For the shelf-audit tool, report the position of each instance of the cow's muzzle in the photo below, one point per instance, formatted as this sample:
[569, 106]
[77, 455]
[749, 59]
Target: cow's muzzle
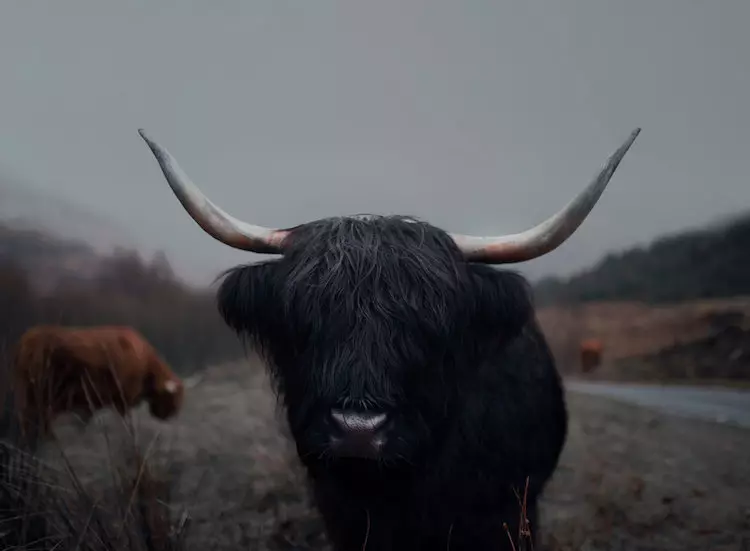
[358, 434]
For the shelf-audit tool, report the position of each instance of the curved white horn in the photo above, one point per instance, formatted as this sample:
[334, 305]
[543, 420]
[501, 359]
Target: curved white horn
[551, 233]
[214, 221]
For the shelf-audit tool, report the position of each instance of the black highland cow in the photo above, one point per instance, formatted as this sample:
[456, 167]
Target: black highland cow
[418, 386]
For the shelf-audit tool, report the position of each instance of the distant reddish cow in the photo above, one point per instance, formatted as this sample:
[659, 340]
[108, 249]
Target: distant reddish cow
[81, 370]
[591, 354]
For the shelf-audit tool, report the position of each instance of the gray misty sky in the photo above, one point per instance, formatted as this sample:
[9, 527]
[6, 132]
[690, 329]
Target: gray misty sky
[481, 117]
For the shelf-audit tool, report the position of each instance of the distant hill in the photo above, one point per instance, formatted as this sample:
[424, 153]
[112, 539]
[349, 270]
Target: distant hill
[711, 262]
[49, 279]
[47, 260]
[23, 207]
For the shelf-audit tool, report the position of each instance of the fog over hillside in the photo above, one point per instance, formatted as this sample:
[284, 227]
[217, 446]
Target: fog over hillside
[24, 207]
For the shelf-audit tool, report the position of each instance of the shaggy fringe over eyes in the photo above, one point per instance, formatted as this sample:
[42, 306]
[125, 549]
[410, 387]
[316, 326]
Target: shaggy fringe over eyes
[383, 291]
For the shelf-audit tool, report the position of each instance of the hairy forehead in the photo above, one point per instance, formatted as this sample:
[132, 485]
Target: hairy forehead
[373, 276]
[367, 231]
[370, 251]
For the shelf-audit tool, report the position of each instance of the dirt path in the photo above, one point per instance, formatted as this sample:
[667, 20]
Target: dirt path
[628, 479]
[724, 405]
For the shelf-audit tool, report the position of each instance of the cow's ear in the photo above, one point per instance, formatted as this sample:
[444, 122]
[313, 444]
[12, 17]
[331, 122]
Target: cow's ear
[503, 301]
[245, 298]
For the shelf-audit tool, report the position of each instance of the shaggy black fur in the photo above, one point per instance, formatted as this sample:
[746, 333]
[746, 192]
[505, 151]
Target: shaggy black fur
[384, 313]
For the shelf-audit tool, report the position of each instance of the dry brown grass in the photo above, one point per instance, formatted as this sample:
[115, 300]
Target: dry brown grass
[523, 540]
[628, 478]
[226, 469]
[49, 507]
[46, 508]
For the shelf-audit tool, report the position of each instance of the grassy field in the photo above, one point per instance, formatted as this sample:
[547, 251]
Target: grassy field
[628, 478]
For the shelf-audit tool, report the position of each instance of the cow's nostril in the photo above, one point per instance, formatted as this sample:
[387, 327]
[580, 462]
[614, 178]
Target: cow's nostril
[352, 422]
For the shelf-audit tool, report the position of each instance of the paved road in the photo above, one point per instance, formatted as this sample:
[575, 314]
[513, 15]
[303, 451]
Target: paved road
[713, 404]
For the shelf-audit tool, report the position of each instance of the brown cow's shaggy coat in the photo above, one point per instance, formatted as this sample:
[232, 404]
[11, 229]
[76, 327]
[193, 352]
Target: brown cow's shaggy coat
[81, 370]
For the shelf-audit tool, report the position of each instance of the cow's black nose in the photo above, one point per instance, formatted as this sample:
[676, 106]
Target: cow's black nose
[358, 421]
[359, 433]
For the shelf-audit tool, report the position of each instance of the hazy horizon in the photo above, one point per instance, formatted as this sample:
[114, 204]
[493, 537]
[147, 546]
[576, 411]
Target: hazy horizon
[482, 118]
[104, 235]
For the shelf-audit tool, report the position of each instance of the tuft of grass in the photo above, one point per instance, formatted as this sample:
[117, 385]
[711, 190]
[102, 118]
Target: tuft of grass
[523, 541]
[43, 509]
[46, 509]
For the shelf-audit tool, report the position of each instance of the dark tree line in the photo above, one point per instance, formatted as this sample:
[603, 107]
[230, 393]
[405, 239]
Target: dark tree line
[43, 281]
[708, 263]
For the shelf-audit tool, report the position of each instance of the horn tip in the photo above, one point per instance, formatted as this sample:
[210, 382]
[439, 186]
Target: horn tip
[155, 148]
[629, 142]
[143, 134]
